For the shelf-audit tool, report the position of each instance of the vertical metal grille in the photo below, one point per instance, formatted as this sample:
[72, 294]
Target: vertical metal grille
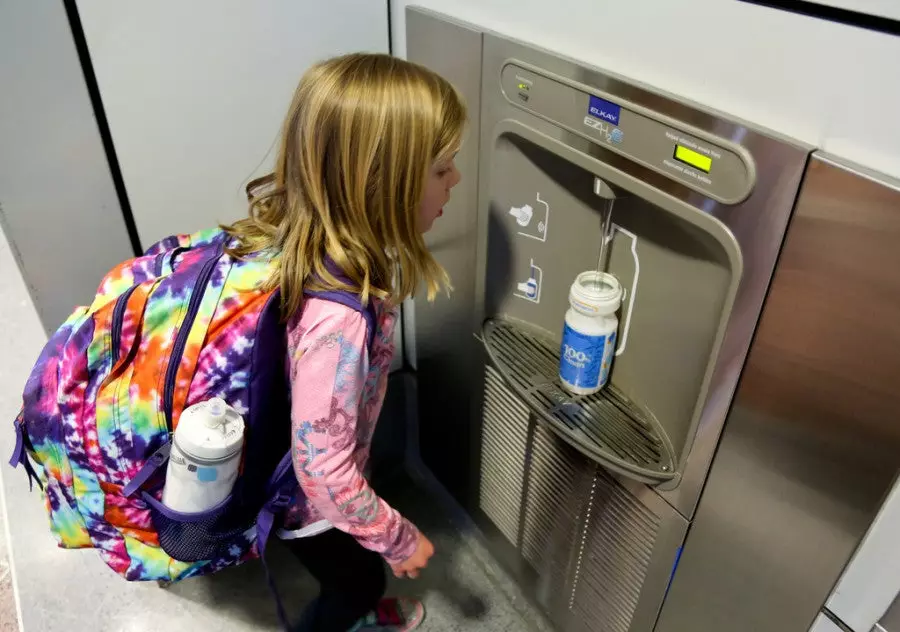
[612, 563]
[504, 434]
[588, 539]
[557, 480]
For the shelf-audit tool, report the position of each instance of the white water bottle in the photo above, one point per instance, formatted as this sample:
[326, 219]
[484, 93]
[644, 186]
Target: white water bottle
[589, 334]
[205, 457]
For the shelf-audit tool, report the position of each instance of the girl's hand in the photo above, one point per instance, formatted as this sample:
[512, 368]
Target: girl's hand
[419, 560]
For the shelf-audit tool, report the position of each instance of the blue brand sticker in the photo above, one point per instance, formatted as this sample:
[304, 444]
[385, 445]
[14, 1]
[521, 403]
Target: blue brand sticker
[603, 109]
[207, 474]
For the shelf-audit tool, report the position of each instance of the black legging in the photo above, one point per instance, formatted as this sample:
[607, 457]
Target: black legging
[352, 580]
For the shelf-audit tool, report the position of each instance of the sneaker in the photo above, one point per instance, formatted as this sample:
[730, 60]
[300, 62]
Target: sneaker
[392, 615]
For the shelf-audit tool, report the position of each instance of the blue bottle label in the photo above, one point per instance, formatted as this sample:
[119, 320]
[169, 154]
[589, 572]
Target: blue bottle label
[584, 360]
[207, 474]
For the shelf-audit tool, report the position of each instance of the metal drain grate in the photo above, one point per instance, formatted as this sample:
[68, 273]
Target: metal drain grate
[605, 426]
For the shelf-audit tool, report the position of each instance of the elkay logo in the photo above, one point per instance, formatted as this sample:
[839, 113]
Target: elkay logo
[605, 110]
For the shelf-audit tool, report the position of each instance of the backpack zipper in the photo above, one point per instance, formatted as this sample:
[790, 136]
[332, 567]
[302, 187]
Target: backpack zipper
[117, 318]
[183, 333]
[122, 301]
[159, 264]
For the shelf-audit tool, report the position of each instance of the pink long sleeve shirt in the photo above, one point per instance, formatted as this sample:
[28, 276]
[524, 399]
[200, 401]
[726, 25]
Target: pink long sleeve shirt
[337, 389]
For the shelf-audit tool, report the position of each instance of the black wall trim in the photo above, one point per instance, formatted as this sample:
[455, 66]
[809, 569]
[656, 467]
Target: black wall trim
[833, 14]
[87, 68]
[390, 29]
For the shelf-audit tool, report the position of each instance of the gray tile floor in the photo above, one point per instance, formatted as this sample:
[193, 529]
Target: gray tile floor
[9, 620]
[71, 591]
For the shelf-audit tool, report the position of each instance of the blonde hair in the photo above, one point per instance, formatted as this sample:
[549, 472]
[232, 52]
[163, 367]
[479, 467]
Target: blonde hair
[358, 144]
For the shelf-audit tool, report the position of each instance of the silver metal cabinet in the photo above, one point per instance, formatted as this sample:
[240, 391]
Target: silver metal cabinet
[588, 499]
[812, 444]
[439, 339]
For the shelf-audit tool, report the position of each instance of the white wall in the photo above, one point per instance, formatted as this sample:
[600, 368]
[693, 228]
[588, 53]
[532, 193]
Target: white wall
[831, 85]
[871, 582]
[195, 92]
[58, 204]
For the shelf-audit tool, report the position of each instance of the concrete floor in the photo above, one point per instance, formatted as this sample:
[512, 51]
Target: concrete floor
[45, 589]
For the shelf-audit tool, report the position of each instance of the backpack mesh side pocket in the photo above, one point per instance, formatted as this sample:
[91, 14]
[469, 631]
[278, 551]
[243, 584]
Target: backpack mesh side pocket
[194, 537]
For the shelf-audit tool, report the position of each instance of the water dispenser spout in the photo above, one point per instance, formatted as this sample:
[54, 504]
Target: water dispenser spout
[604, 191]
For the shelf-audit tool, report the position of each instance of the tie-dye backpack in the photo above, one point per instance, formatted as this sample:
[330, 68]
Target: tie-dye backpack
[177, 326]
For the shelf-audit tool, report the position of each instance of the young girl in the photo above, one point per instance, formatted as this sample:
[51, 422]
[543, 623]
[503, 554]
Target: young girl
[365, 167]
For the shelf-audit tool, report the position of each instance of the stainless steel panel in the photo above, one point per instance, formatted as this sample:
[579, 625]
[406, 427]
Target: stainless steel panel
[595, 549]
[58, 204]
[650, 136]
[445, 353]
[812, 444]
[690, 272]
[757, 224]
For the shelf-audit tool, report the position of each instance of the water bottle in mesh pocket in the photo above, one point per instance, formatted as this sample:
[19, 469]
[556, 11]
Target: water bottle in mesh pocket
[198, 536]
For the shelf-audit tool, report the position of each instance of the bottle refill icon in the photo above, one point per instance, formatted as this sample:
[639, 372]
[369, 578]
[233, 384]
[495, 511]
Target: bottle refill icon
[523, 214]
[206, 455]
[530, 287]
[589, 334]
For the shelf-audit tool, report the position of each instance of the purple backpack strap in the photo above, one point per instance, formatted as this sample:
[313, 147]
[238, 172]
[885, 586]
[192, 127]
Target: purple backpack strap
[352, 301]
[282, 482]
[280, 493]
[20, 455]
[347, 298]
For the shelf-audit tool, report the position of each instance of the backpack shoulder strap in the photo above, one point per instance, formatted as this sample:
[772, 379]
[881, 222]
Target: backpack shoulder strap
[282, 480]
[352, 301]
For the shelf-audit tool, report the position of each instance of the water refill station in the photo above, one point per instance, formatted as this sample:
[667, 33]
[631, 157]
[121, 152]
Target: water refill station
[588, 500]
